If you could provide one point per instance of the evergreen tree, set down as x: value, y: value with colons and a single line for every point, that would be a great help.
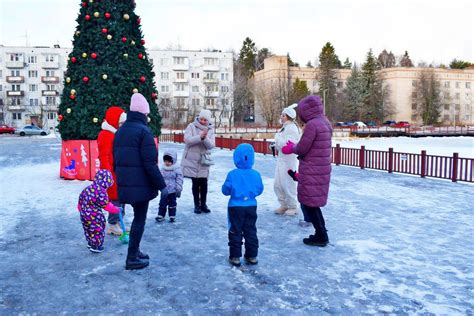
x: 355, y: 94
x: 261, y: 56
x: 290, y: 62
x: 107, y: 64
x: 406, y: 61
x: 298, y: 91
x: 459, y: 64
x: 309, y: 65
x: 248, y: 56
x: 427, y: 97
x: 347, y: 64
x: 328, y: 62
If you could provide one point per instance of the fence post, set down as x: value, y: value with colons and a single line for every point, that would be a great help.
x: 454, y: 166
x: 265, y: 146
x: 230, y: 145
x: 362, y: 157
x: 423, y: 164
x: 222, y: 142
x: 338, y: 154
x: 390, y: 160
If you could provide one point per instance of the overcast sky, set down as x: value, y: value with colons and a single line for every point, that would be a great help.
x: 431, y: 31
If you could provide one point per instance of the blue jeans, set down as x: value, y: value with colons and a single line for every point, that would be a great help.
x: 243, y: 225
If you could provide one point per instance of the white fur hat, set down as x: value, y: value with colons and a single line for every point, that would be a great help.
x: 205, y: 114
x: 290, y: 111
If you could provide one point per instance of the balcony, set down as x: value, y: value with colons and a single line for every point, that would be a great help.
x: 180, y: 93
x: 50, y: 64
x: 212, y: 68
x: 16, y: 108
x: 212, y: 94
x: 48, y: 107
x: 50, y: 93
x: 52, y: 79
x: 181, y: 80
x: 11, y: 93
x: 15, y: 64
x: 180, y: 66
x: 210, y: 80
x: 15, y: 79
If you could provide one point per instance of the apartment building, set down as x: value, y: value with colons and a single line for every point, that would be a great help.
x: 456, y: 88
x: 31, y: 82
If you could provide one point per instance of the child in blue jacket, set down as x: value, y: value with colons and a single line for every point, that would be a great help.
x: 243, y: 185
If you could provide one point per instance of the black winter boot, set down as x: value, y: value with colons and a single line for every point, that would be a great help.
x: 319, y: 240
x: 205, y: 209
x: 142, y: 255
x: 197, y: 209
x: 136, y: 263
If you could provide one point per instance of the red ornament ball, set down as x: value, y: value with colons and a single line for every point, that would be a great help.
x: 72, y: 96
x: 107, y: 15
x: 142, y: 42
x: 154, y: 95
x: 142, y: 78
x: 140, y: 56
x: 138, y: 21
x: 124, y: 39
x: 88, y: 17
x: 93, y: 55
x: 85, y: 79
x: 73, y: 59
x: 84, y: 4
x: 60, y: 117
x: 104, y: 30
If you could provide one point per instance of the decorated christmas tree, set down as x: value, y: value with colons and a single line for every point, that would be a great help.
x: 106, y: 66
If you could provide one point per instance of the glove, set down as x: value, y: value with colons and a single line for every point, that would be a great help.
x: 178, y: 194
x: 289, y: 148
x: 112, y: 208
x: 293, y: 174
x: 164, y: 192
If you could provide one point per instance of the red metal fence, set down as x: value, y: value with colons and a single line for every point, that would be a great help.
x: 453, y: 168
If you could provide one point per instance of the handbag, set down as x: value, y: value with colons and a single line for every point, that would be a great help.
x: 206, y: 159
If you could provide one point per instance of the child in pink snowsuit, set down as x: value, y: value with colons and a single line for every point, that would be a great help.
x: 92, y: 200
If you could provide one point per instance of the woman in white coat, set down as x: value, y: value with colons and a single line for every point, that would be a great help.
x: 284, y: 186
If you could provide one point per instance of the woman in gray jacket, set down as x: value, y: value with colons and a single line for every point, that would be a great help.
x: 199, y: 139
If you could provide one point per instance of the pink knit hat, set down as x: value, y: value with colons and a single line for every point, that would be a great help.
x: 138, y: 103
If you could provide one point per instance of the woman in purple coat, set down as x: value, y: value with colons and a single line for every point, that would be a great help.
x: 314, y: 153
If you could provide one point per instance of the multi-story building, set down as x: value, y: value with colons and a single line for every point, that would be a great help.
x: 188, y: 81
x: 456, y: 89
x: 30, y: 84
x: 31, y: 81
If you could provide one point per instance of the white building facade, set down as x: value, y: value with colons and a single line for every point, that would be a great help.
x: 31, y: 82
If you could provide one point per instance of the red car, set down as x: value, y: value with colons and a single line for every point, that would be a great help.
x: 4, y: 129
x: 402, y: 124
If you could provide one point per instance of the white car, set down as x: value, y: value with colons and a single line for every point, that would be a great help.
x: 360, y: 124
x: 31, y: 130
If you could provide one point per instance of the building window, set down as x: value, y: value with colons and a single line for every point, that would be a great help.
x: 224, y: 89
x: 224, y: 76
x: 33, y: 73
x: 195, y: 88
x: 164, y: 61
x: 178, y: 60
x: 466, y: 107
x: 33, y: 87
x: 457, y: 96
x: 413, y: 83
x: 180, y: 87
x: 180, y: 102
x: 413, y: 106
x: 16, y: 116
x: 32, y: 59
x: 166, y: 102
x: 212, y: 88
x: 467, y: 118
x: 210, y: 101
x: 50, y: 100
x: 210, y: 61
x: 33, y: 102
x: 49, y: 58
x: 0, y: 74
x: 15, y: 73
x: 458, y: 85
x: 225, y: 102
x: 457, y: 107
x: 16, y: 101
x: 446, y: 84
x: 195, y: 102
x: 210, y: 75
x: 165, y: 75
x: 51, y: 115
x: 468, y: 96
x: 50, y: 73
x: 446, y: 117
x: 50, y: 87
x: 180, y: 75
x: 195, y: 75
x: 468, y: 84
x: 15, y: 57
x: 165, y: 89
x: 15, y: 87
x: 1, y: 87
x: 446, y: 107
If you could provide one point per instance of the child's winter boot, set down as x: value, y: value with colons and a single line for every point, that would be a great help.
x: 159, y: 218
x: 235, y: 261
x: 251, y: 260
x: 280, y: 210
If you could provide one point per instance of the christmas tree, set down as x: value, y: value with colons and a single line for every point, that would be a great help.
x: 107, y: 65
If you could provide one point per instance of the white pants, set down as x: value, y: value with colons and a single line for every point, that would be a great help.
x: 284, y: 186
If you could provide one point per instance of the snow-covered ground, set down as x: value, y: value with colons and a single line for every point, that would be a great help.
x: 399, y: 245
x: 444, y: 146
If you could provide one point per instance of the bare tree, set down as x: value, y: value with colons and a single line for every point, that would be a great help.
x: 427, y: 98
x: 272, y: 97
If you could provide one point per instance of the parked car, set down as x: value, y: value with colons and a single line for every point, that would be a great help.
x: 31, y: 130
x: 389, y: 123
x: 371, y: 124
x: 344, y: 124
x: 402, y: 124
x: 5, y: 129
x: 359, y: 124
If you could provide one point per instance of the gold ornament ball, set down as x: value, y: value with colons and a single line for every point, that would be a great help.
x: 95, y: 120
x: 77, y: 33
x: 125, y: 55
x: 68, y: 110
x: 132, y: 43
x: 109, y: 37
x: 104, y: 76
x: 96, y: 14
x: 73, y: 91
x: 68, y: 80
x: 91, y: 1
x: 135, y: 90
x: 84, y: 55
x: 148, y: 119
x: 126, y: 16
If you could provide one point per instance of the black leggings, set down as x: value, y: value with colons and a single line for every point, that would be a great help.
x: 199, y: 191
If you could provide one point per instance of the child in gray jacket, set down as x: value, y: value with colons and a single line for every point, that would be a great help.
x: 173, y: 177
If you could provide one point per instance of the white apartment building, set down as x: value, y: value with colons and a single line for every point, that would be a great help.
x: 31, y: 82
x: 188, y: 81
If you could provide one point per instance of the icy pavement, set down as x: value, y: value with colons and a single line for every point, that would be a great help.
x: 399, y: 245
